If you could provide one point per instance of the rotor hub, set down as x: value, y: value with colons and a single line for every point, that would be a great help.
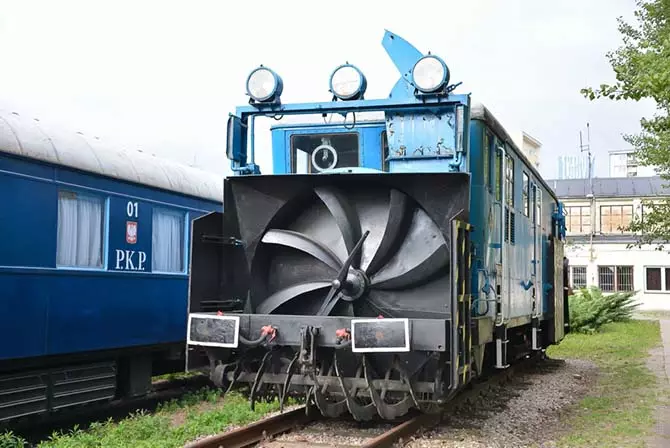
x: 355, y: 285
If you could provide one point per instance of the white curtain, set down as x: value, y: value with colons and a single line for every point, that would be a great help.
x: 167, y: 241
x: 80, y: 230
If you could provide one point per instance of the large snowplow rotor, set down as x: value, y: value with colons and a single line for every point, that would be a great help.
x: 352, y: 252
x: 324, y: 253
x: 349, y: 245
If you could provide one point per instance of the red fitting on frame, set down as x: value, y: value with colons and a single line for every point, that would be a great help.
x: 269, y: 330
x: 219, y: 313
x: 380, y: 317
x: 342, y: 333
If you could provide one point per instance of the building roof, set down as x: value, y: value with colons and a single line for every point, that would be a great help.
x: 30, y: 138
x: 611, y: 187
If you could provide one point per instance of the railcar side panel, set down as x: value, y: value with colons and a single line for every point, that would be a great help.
x: 104, y: 292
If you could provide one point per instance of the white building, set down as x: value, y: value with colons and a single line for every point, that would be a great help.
x: 624, y: 164
x: 597, y: 247
x: 530, y: 146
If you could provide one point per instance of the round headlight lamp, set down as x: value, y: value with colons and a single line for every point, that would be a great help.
x: 264, y: 85
x: 348, y: 83
x: 430, y: 74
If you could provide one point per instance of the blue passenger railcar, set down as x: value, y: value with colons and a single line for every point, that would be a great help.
x: 93, y: 266
x: 383, y: 265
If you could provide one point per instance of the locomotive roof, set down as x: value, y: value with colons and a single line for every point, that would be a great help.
x: 479, y: 112
x: 32, y: 139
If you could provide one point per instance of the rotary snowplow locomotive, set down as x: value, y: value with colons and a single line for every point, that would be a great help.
x: 385, y: 264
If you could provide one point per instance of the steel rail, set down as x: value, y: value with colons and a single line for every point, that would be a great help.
x: 255, y: 432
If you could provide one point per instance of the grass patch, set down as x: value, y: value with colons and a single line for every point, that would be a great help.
x: 175, y: 376
x: 172, y: 425
x: 620, y: 409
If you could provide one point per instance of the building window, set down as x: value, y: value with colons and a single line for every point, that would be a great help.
x: 615, y: 218
x: 509, y: 180
x: 657, y: 278
x: 578, y: 276
x: 526, y: 188
x: 615, y: 278
x: 579, y: 219
x: 80, y: 230
x: 167, y: 241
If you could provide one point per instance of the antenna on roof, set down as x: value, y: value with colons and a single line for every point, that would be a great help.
x: 587, y: 147
x: 590, y: 195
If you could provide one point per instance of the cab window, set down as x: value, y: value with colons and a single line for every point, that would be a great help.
x: 312, y: 153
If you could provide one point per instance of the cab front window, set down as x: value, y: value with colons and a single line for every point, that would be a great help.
x: 313, y: 153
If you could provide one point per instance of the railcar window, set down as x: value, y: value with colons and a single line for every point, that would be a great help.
x: 167, y: 241
x: 81, y: 221
x: 486, y: 154
x: 509, y: 180
x: 498, y: 175
x: 533, y: 201
x: 538, y: 206
x: 311, y: 153
x: 385, y: 151
x: 526, y: 188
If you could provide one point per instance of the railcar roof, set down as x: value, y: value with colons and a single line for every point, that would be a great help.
x: 33, y: 139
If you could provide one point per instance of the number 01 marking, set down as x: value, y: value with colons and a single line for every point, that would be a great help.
x: 131, y: 209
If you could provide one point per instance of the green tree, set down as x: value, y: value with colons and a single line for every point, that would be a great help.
x: 642, y: 68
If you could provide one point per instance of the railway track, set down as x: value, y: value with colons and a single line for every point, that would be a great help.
x: 302, y: 424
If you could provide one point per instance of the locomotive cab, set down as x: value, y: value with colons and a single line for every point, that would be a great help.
x: 350, y: 274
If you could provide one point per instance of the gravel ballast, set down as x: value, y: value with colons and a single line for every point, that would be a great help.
x: 525, y: 411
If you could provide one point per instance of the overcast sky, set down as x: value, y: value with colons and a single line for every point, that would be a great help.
x: 164, y: 75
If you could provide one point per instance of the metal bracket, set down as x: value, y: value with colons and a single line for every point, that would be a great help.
x: 308, y: 336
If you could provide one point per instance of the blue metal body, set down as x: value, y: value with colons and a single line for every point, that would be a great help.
x: 373, y: 154
x: 46, y: 310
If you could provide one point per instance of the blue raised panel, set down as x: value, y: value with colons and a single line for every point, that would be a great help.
x: 103, y: 312
x: 24, y: 299
x: 28, y: 222
x: 51, y: 312
x: 125, y: 254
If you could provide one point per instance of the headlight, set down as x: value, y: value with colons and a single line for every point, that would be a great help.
x: 347, y: 82
x: 264, y: 85
x: 430, y: 74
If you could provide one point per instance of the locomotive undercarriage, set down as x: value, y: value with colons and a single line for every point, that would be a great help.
x: 308, y: 357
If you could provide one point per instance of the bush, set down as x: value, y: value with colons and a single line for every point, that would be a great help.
x: 590, y: 309
x: 9, y: 440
